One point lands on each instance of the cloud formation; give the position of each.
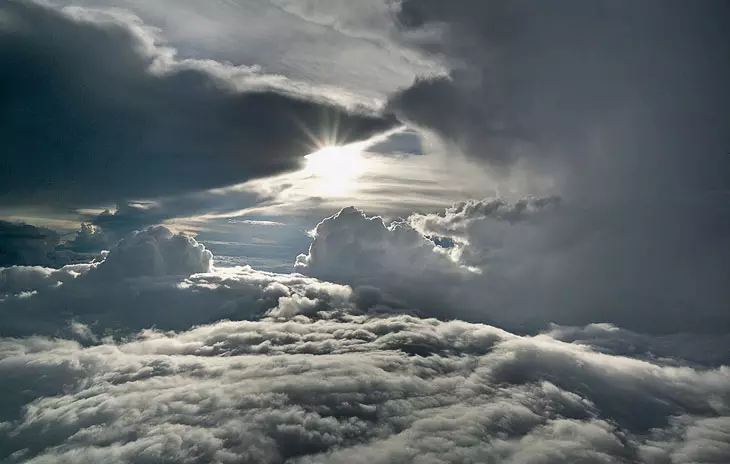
(522, 265)
(628, 125)
(312, 371)
(95, 109)
(353, 389)
(26, 245)
(156, 278)
(153, 354)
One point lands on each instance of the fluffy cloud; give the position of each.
(157, 278)
(352, 248)
(155, 252)
(514, 263)
(95, 109)
(310, 371)
(26, 245)
(353, 389)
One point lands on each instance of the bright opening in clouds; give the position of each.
(377, 232)
(336, 169)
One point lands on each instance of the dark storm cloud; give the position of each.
(624, 107)
(644, 80)
(94, 111)
(26, 245)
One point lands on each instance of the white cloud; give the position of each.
(353, 389)
(155, 252)
(154, 278)
(520, 264)
(359, 59)
(324, 372)
(134, 113)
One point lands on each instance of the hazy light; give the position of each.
(335, 168)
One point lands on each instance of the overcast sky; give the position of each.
(371, 231)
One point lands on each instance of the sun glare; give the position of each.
(335, 167)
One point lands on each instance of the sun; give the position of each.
(335, 168)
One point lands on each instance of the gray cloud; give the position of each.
(352, 248)
(522, 273)
(347, 390)
(578, 82)
(155, 278)
(324, 372)
(95, 110)
(624, 107)
(26, 245)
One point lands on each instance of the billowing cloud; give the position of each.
(352, 248)
(23, 244)
(424, 339)
(353, 389)
(310, 371)
(95, 109)
(517, 264)
(626, 123)
(156, 278)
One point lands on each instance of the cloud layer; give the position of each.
(96, 110)
(311, 371)
(385, 347)
(353, 389)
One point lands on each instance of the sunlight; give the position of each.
(336, 168)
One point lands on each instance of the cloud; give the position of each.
(154, 278)
(353, 389)
(352, 248)
(137, 365)
(26, 245)
(23, 280)
(155, 252)
(596, 98)
(565, 83)
(456, 219)
(516, 264)
(96, 110)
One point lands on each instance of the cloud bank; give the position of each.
(353, 389)
(626, 122)
(95, 109)
(310, 371)
(523, 265)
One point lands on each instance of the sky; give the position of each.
(383, 231)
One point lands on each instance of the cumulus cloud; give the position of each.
(155, 252)
(27, 245)
(306, 370)
(352, 248)
(353, 389)
(507, 262)
(156, 278)
(455, 221)
(96, 109)
(628, 125)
